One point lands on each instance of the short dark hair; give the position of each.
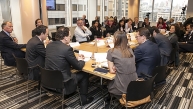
(144, 31)
(152, 29)
(40, 29)
(191, 26)
(4, 23)
(36, 21)
(61, 33)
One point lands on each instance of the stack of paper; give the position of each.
(74, 44)
(86, 54)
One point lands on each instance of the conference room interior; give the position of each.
(172, 83)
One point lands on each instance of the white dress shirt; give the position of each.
(80, 35)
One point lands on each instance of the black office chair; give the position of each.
(138, 90)
(73, 38)
(172, 57)
(51, 80)
(22, 70)
(160, 71)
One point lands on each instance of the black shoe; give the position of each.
(89, 100)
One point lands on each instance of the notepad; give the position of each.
(86, 54)
(74, 44)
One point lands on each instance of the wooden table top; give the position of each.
(91, 48)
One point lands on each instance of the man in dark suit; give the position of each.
(85, 21)
(60, 56)
(35, 51)
(188, 37)
(135, 24)
(9, 46)
(147, 54)
(163, 43)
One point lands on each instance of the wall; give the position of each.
(24, 13)
(189, 12)
(133, 9)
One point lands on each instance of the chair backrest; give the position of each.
(138, 90)
(53, 36)
(22, 66)
(161, 73)
(51, 78)
(73, 38)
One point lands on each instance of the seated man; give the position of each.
(81, 32)
(60, 56)
(35, 51)
(147, 54)
(188, 44)
(163, 43)
(9, 46)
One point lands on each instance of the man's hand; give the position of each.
(81, 57)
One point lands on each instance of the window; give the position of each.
(74, 7)
(84, 7)
(80, 7)
(51, 21)
(74, 20)
(60, 7)
(55, 21)
(98, 8)
(105, 8)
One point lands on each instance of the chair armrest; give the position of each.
(67, 80)
(146, 75)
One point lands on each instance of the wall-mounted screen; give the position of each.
(51, 4)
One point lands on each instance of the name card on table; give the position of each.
(74, 44)
(86, 54)
(99, 43)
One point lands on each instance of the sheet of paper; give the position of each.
(111, 45)
(86, 54)
(74, 44)
(100, 57)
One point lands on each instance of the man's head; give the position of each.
(38, 22)
(142, 35)
(84, 17)
(80, 23)
(7, 26)
(153, 30)
(42, 32)
(136, 19)
(146, 20)
(63, 34)
(189, 27)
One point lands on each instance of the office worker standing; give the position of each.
(60, 56)
(8, 45)
(35, 51)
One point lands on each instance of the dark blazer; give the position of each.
(35, 55)
(144, 25)
(9, 47)
(111, 30)
(86, 23)
(133, 26)
(164, 46)
(187, 47)
(147, 57)
(95, 32)
(60, 56)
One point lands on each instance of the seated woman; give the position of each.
(128, 26)
(96, 31)
(121, 26)
(173, 38)
(161, 24)
(110, 28)
(121, 61)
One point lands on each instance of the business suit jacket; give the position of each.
(134, 27)
(164, 46)
(60, 56)
(187, 47)
(86, 23)
(35, 55)
(147, 57)
(8, 47)
(95, 32)
(34, 34)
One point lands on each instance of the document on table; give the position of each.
(132, 35)
(86, 54)
(111, 45)
(74, 44)
(99, 42)
(100, 57)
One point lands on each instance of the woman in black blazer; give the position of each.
(96, 30)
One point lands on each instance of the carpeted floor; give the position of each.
(175, 94)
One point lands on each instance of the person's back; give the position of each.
(147, 57)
